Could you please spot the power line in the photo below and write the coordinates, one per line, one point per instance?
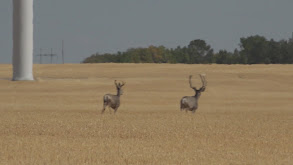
(51, 55)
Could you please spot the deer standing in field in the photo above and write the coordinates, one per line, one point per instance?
(113, 101)
(191, 102)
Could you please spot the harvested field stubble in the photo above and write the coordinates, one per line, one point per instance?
(245, 116)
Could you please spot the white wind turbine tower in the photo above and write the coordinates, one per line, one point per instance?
(22, 40)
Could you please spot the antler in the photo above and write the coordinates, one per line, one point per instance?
(123, 83)
(119, 84)
(115, 82)
(203, 80)
(190, 83)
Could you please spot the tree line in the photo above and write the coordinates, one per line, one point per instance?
(253, 50)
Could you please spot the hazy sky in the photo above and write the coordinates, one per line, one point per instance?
(108, 26)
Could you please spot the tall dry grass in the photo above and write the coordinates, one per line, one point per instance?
(245, 116)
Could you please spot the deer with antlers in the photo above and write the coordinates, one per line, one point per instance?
(113, 101)
(191, 102)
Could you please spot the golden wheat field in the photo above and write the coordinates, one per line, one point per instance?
(245, 116)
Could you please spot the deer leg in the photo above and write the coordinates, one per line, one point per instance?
(110, 110)
(181, 108)
(115, 110)
(193, 111)
(104, 108)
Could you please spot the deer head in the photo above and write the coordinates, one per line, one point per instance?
(201, 89)
(119, 87)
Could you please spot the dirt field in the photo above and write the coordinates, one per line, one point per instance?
(245, 116)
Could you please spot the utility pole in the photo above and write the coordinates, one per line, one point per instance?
(40, 55)
(63, 51)
(51, 54)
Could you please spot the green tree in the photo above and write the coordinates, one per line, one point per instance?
(286, 49)
(158, 54)
(199, 52)
(180, 55)
(224, 57)
(254, 48)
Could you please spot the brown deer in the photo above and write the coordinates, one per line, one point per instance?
(113, 101)
(191, 102)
